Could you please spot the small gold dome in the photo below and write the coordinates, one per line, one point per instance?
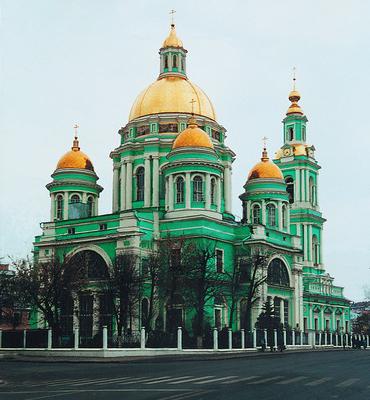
(265, 169)
(172, 94)
(294, 108)
(172, 40)
(192, 136)
(75, 158)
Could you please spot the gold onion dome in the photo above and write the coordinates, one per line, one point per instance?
(172, 94)
(75, 158)
(294, 108)
(172, 40)
(265, 169)
(192, 136)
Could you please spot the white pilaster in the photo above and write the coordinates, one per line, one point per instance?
(280, 215)
(305, 242)
(227, 188)
(147, 180)
(309, 250)
(123, 186)
(248, 216)
(302, 185)
(187, 190)
(170, 193)
(320, 247)
(115, 188)
(129, 185)
(307, 188)
(52, 207)
(219, 190)
(208, 192)
(297, 191)
(263, 211)
(288, 217)
(282, 311)
(155, 181)
(65, 205)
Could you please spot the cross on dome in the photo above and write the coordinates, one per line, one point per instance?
(76, 145)
(172, 12)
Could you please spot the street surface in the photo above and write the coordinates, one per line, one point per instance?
(301, 376)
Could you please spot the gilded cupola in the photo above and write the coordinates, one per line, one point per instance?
(192, 136)
(75, 158)
(265, 169)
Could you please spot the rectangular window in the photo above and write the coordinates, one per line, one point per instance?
(219, 261)
(305, 324)
(316, 324)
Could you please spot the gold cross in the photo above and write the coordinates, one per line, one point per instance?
(75, 127)
(264, 141)
(172, 12)
(294, 78)
(192, 105)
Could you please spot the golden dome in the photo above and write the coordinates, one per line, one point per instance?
(75, 158)
(172, 94)
(192, 136)
(172, 40)
(294, 108)
(265, 169)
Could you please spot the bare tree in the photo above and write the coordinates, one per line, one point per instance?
(123, 286)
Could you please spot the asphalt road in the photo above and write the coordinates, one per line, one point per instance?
(317, 375)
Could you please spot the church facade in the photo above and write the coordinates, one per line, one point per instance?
(172, 177)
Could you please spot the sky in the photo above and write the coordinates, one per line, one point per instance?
(85, 61)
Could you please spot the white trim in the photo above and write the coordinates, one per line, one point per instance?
(94, 248)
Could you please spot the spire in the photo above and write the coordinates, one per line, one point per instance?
(265, 156)
(294, 97)
(172, 40)
(76, 144)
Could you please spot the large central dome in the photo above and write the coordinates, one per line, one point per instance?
(172, 94)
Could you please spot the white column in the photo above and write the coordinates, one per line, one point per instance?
(284, 337)
(76, 338)
(309, 243)
(282, 311)
(333, 321)
(248, 211)
(305, 242)
(307, 176)
(215, 339)
(96, 206)
(208, 192)
(123, 186)
(227, 188)
(167, 196)
(302, 185)
(179, 338)
(280, 215)
(288, 217)
(343, 320)
(230, 337)
(263, 211)
(187, 190)
(129, 185)
(320, 247)
(321, 325)
(242, 338)
(170, 193)
(84, 197)
(275, 338)
(52, 207)
(155, 181)
(147, 180)
(105, 338)
(293, 337)
(50, 339)
(65, 205)
(142, 338)
(219, 194)
(115, 188)
(297, 190)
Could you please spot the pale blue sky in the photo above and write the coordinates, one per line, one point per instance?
(85, 61)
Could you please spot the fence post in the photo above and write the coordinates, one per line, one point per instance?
(284, 337)
(179, 338)
(105, 337)
(242, 337)
(24, 338)
(320, 338)
(230, 337)
(142, 338)
(301, 338)
(1, 338)
(275, 338)
(293, 337)
(367, 340)
(336, 339)
(50, 339)
(254, 333)
(265, 337)
(326, 338)
(331, 338)
(76, 339)
(215, 339)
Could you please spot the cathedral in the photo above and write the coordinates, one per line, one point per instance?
(172, 177)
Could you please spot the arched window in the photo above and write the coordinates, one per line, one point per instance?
(315, 250)
(311, 191)
(180, 190)
(290, 133)
(277, 273)
(89, 264)
(285, 216)
(256, 211)
(59, 203)
(90, 206)
(271, 215)
(140, 184)
(174, 61)
(198, 189)
(290, 188)
(213, 191)
(166, 61)
(75, 198)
